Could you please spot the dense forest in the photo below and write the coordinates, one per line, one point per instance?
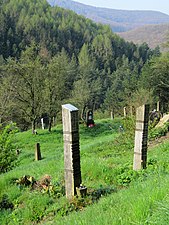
(50, 56)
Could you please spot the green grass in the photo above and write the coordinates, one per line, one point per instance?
(135, 205)
(116, 193)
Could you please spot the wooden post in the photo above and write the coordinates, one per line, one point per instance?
(37, 152)
(71, 149)
(141, 137)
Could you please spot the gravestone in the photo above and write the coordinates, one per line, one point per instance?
(37, 152)
(89, 119)
(141, 137)
(112, 114)
(45, 121)
(158, 106)
(71, 149)
(42, 122)
(124, 110)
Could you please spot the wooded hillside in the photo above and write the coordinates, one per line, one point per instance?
(153, 35)
(50, 56)
(119, 20)
(137, 26)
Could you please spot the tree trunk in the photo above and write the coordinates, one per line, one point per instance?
(33, 127)
(125, 113)
(50, 124)
(54, 121)
(131, 110)
(112, 114)
(83, 114)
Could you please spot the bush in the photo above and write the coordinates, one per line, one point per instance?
(7, 150)
(158, 131)
(5, 203)
(125, 141)
(126, 176)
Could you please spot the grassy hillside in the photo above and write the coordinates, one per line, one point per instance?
(116, 194)
(119, 20)
(153, 35)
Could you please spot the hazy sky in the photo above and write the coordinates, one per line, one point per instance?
(157, 5)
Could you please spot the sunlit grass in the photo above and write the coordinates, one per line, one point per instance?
(106, 165)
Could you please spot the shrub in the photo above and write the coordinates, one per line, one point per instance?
(5, 203)
(158, 131)
(44, 185)
(7, 149)
(125, 141)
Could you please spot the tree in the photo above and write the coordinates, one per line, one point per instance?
(61, 73)
(155, 76)
(124, 81)
(87, 86)
(6, 99)
(141, 97)
(7, 149)
(28, 80)
(103, 52)
(111, 102)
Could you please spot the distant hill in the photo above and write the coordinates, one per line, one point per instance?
(153, 35)
(119, 20)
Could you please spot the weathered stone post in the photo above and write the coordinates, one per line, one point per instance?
(42, 122)
(141, 137)
(71, 149)
(37, 152)
(124, 110)
(112, 115)
(158, 106)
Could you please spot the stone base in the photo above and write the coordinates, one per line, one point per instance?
(81, 191)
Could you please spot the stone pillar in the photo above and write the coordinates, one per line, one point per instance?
(141, 137)
(158, 106)
(71, 149)
(125, 114)
(37, 152)
(42, 122)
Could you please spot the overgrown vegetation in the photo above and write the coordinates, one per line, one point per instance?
(7, 148)
(157, 132)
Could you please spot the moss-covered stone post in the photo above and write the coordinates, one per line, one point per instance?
(141, 137)
(71, 149)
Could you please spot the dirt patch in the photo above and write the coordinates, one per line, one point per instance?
(158, 141)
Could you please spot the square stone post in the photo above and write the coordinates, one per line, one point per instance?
(141, 137)
(158, 106)
(42, 122)
(71, 149)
